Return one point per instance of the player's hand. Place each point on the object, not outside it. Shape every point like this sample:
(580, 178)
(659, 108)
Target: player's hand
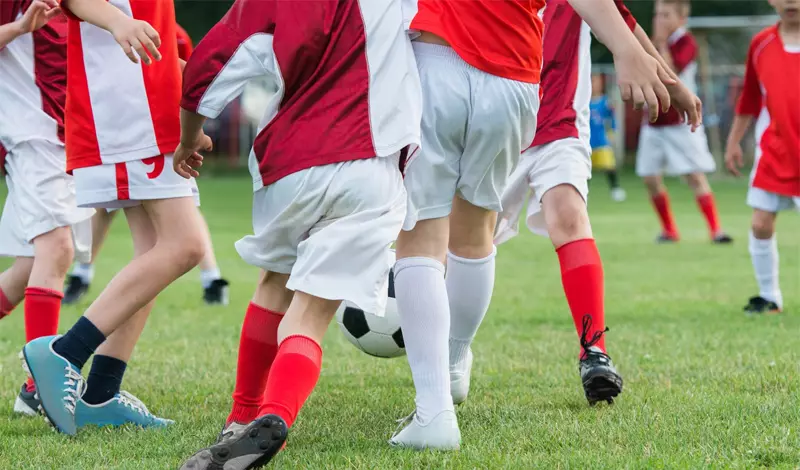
(643, 81)
(134, 35)
(37, 15)
(688, 105)
(186, 159)
(734, 159)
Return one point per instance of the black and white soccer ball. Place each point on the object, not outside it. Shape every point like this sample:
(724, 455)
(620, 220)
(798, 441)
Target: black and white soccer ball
(376, 336)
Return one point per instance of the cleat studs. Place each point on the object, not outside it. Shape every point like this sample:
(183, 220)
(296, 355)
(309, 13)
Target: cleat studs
(276, 434)
(223, 453)
(254, 433)
(263, 445)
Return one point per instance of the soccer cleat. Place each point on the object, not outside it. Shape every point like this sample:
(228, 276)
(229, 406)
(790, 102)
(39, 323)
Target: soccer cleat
(722, 238)
(760, 306)
(74, 290)
(229, 430)
(459, 379)
(216, 293)
(618, 195)
(601, 381)
(665, 238)
(251, 446)
(123, 409)
(442, 433)
(58, 382)
(27, 402)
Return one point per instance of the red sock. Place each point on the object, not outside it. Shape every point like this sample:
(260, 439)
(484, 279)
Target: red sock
(293, 376)
(42, 308)
(6, 306)
(709, 209)
(661, 203)
(258, 345)
(582, 277)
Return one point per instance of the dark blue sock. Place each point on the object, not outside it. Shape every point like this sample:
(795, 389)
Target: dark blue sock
(105, 379)
(80, 342)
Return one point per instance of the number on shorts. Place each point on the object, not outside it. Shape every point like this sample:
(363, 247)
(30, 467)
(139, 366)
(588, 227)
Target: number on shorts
(158, 166)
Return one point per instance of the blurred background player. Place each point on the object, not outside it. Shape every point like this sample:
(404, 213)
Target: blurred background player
(215, 287)
(41, 205)
(326, 207)
(771, 94)
(131, 170)
(667, 145)
(601, 123)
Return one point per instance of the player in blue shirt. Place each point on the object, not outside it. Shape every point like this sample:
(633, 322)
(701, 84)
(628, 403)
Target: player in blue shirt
(601, 119)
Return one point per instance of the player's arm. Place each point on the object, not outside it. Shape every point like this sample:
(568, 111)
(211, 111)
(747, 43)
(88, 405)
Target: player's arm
(640, 78)
(37, 15)
(137, 38)
(747, 108)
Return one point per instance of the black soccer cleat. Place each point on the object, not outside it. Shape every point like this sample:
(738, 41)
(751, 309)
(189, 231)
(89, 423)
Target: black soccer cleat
(760, 306)
(27, 402)
(250, 447)
(665, 238)
(74, 290)
(216, 293)
(601, 381)
(722, 238)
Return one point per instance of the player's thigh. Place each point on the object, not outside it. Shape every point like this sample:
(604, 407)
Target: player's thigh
(502, 124)
(143, 231)
(346, 255)
(687, 152)
(650, 153)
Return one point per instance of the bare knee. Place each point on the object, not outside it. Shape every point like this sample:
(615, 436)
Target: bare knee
(56, 247)
(763, 225)
(565, 215)
(427, 239)
(272, 293)
(471, 230)
(654, 184)
(699, 183)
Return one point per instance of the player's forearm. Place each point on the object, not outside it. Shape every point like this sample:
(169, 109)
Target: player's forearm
(653, 51)
(741, 123)
(606, 24)
(191, 125)
(97, 12)
(9, 32)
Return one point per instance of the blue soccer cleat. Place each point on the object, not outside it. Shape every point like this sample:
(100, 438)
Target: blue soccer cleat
(58, 382)
(123, 409)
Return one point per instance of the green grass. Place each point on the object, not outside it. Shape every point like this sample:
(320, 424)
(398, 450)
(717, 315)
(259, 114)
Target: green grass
(705, 386)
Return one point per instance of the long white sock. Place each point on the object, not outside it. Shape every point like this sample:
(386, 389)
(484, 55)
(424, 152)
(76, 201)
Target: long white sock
(207, 276)
(425, 319)
(470, 283)
(85, 271)
(764, 254)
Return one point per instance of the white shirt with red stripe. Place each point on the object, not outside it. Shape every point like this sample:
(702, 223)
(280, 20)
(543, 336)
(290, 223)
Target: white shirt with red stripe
(32, 80)
(346, 81)
(118, 111)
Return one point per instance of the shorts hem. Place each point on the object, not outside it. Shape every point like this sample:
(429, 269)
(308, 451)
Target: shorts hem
(44, 227)
(323, 293)
(110, 199)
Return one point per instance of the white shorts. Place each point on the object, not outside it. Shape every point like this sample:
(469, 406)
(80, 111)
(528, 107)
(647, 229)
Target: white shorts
(673, 150)
(330, 227)
(567, 161)
(758, 198)
(474, 127)
(41, 198)
(127, 184)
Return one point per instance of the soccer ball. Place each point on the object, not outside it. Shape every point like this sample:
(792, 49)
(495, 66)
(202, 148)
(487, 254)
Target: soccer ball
(376, 336)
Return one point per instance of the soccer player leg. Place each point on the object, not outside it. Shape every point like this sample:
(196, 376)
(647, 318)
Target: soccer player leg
(651, 158)
(215, 288)
(82, 274)
(763, 247)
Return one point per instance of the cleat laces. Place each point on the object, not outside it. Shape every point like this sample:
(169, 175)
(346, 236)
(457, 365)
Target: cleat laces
(75, 386)
(403, 422)
(587, 343)
(129, 400)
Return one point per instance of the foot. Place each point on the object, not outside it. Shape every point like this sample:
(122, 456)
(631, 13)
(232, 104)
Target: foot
(27, 402)
(618, 195)
(441, 433)
(601, 381)
(75, 289)
(760, 306)
(123, 409)
(459, 379)
(248, 447)
(58, 382)
(722, 238)
(229, 431)
(665, 238)
(216, 293)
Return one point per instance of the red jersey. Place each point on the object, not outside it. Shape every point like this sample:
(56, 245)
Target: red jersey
(567, 73)
(118, 111)
(503, 38)
(683, 49)
(185, 45)
(772, 93)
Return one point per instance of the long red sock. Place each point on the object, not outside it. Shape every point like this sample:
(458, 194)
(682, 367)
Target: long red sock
(709, 209)
(293, 376)
(258, 345)
(6, 306)
(42, 308)
(661, 204)
(582, 277)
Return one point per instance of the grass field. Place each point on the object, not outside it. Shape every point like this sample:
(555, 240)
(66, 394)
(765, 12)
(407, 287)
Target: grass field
(705, 386)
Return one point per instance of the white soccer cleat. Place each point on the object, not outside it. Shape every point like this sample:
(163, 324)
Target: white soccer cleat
(441, 433)
(459, 379)
(618, 195)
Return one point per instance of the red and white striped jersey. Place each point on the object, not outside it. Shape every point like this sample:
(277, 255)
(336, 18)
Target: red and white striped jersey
(683, 49)
(344, 78)
(33, 80)
(118, 111)
(567, 73)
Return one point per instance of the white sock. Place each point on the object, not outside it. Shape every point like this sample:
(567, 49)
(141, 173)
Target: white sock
(207, 276)
(425, 319)
(470, 283)
(85, 271)
(764, 254)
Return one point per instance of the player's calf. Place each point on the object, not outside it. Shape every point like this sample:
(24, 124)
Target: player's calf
(13, 282)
